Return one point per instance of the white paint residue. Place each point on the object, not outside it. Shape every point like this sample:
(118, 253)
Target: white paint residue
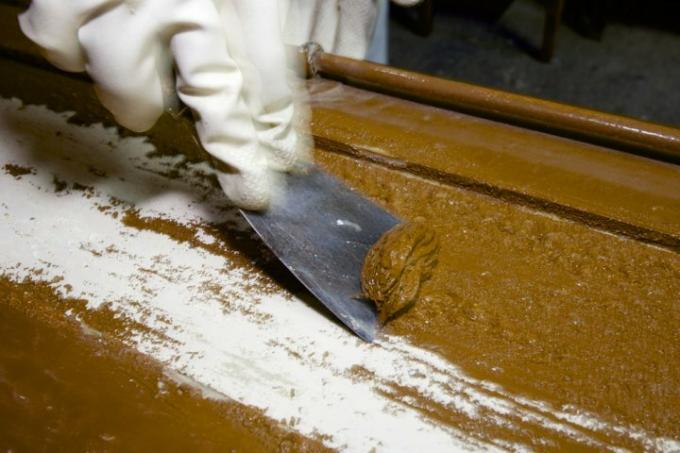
(205, 238)
(262, 349)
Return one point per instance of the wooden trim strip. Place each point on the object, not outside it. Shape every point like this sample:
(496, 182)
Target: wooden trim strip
(627, 134)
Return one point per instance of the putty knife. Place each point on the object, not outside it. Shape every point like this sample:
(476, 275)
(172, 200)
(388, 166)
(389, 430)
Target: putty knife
(321, 231)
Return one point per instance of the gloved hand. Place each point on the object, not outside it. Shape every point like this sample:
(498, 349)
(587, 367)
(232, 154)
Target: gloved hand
(229, 68)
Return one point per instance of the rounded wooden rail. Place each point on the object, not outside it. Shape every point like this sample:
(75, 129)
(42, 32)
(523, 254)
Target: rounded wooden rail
(629, 134)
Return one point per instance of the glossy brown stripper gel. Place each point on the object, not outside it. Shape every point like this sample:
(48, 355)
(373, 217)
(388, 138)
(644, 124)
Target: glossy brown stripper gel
(396, 267)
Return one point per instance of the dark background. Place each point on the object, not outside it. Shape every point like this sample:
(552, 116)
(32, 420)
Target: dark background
(617, 56)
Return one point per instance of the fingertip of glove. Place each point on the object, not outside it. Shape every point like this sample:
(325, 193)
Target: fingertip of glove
(247, 190)
(133, 110)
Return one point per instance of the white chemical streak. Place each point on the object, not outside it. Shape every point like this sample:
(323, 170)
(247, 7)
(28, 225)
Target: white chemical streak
(264, 349)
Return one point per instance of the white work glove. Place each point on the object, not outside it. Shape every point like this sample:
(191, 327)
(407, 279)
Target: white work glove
(229, 68)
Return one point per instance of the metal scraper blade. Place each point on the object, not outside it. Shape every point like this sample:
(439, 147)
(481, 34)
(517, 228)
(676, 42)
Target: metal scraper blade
(321, 231)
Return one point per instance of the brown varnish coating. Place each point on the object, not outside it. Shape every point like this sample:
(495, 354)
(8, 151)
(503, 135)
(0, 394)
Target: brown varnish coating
(545, 307)
(396, 267)
(63, 390)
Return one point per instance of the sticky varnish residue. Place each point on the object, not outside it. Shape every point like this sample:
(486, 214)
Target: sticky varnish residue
(152, 243)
